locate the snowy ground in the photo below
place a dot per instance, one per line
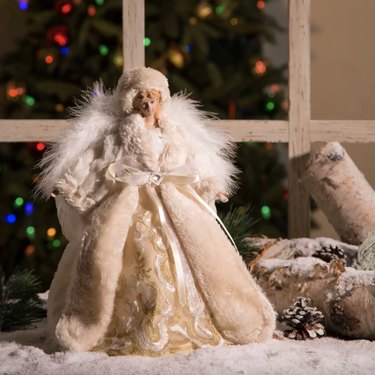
(20, 353)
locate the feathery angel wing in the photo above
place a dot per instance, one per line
(95, 119)
(77, 153)
(212, 149)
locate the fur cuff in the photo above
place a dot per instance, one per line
(74, 194)
(208, 188)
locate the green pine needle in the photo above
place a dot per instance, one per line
(20, 305)
(240, 224)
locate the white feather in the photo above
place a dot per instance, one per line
(95, 118)
(212, 150)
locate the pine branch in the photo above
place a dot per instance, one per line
(240, 224)
(20, 305)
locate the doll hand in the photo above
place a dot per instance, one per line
(223, 197)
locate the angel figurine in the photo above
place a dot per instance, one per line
(149, 268)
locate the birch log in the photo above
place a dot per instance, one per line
(286, 270)
(346, 297)
(300, 247)
(342, 192)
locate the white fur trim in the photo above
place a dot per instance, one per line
(240, 310)
(89, 302)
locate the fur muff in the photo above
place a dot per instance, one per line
(95, 213)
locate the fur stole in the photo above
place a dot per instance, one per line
(93, 141)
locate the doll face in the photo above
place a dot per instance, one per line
(147, 103)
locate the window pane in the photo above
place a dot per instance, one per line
(342, 60)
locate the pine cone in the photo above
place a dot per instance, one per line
(305, 322)
(328, 253)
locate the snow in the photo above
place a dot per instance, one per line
(351, 278)
(298, 266)
(21, 353)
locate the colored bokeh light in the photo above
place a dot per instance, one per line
(103, 50)
(260, 67)
(61, 39)
(204, 10)
(270, 106)
(266, 212)
(118, 60)
(275, 88)
(220, 9)
(261, 4)
(66, 8)
(91, 10)
(49, 59)
(10, 218)
(30, 249)
(12, 92)
(40, 146)
(30, 230)
(18, 202)
(29, 100)
(23, 4)
(176, 57)
(64, 50)
(28, 208)
(51, 232)
(56, 243)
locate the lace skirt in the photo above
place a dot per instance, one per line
(148, 317)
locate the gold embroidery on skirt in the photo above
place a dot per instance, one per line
(147, 316)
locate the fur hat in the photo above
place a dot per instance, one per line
(136, 79)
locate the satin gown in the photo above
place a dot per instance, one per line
(148, 317)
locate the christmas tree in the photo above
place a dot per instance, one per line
(210, 48)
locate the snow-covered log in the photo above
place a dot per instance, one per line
(300, 247)
(285, 270)
(342, 192)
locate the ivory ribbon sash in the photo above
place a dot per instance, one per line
(185, 176)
